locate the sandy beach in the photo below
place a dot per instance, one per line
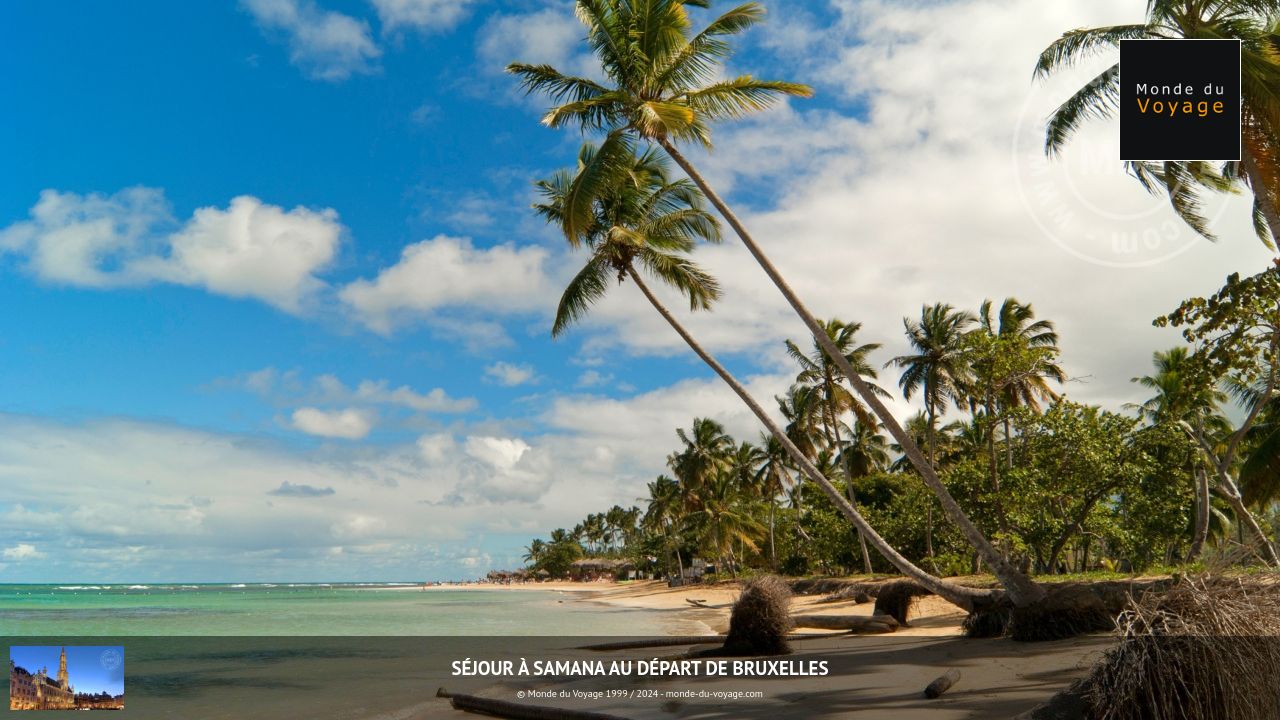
(873, 676)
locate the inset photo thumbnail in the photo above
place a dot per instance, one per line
(72, 677)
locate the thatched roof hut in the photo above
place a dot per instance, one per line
(599, 566)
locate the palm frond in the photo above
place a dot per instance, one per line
(588, 286)
(695, 63)
(547, 80)
(683, 274)
(597, 173)
(741, 96)
(1083, 42)
(1098, 99)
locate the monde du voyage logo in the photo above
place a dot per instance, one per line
(1180, 100)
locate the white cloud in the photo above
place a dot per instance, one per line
(291, 388)
(551, 36)
(423, 15)
(501, 453)
(449, 272)
(325, 44)
(70, 237)
(252, 250)
(166, 502)
(920, 201)
(434, 400)
(508, 374)
(248, 250)
(22, 551)
(349, 424)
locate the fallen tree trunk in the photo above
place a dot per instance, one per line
(852, 623)
(942, 684)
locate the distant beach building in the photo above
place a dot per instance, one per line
(38, 691)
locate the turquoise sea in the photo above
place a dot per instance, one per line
(308, 609)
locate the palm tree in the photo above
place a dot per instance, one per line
(535, 552)
(1176, 400)
(819, 372)
(937, 368)
(1245, 20)
(632, 224)
(666, 513)
(727, 518)
(772, 477)
(707, 451)
(662, 86)
(1016, 322)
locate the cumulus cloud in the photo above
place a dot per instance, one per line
(425, 15)
(550, 36)
(349, 424)
(22, 551)
(448, 272)
(920, 178)
(165, 502)
(248, 250)
(288, 489)
(325, 44)
(509, 374)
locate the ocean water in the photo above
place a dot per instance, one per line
(283, 609)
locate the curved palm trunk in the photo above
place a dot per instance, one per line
(1228, 490)
(957, 594)
(1269, 211)
(1201, 532)
(1021, 589)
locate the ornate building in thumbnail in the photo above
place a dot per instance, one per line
(38, 691)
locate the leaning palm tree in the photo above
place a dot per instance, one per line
(1245, 20)
(663, 87)
(937, 366)
(644, 222)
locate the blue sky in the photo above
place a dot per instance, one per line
(86, 668)
(275, 307)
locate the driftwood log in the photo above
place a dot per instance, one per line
(942, 684)
(852, 623)
(518, 711)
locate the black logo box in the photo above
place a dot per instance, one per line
(1189, 65)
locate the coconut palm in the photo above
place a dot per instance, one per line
(1245, 20)
(631, 225)
(1177, 399)
(773, 475)
(937, 367)
(726, 517)
(535, 551)
(819, 371)
(662, 85)
(707, 451)
(666, 512)
(1017, 321)
(833, 399)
